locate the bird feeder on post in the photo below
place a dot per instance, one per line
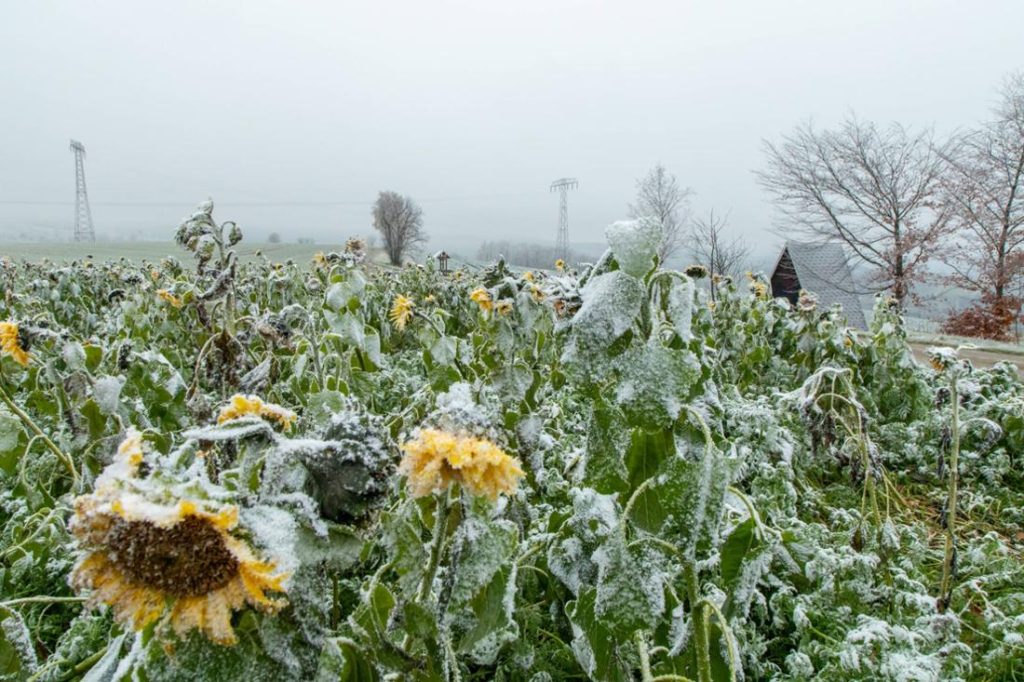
(442, 259)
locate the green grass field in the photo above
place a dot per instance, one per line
(151, 251)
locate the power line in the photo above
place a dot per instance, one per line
(283, 203)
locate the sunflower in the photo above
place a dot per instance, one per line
(401, 311)
(176, 557)
(168, 297)
(14, 342)
(320, 260)
(482, 297)
(696, 271)
(435, 459)
(253, 406)
(537, 293)
(560, 265)
(504, 306)
(807, 301)
(944, 359)
(528, 276)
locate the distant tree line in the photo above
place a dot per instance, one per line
(526, 254)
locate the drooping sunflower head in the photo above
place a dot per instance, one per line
(696, 271)
(320, 260)
(947, 360)
(560, 265)
(435, 459)
(401, 311)
(504, 306)
(253, 406)
(14, 341)
(482, 298)
(148, 554)
(167, 297)
(807, 301)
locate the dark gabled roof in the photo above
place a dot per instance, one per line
(823, 270)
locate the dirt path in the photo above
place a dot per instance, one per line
(980, 357)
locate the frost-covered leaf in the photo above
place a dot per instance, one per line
(443, 350)
(343, 661)
(680, 307)
(483, 546)
(684, 504)
(595, 517)
(635, 244)
(402, 536)
(630, 587)
(611, 304)
(236, 429)
(607, 441)
(654, 383)
(741, 540)
(17, 652)
(106, 391)
(10, 431)
(593, 643)
(494, 612)
(106, 668)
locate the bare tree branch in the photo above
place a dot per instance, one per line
(709, 247)
(875, 190)
(659, 195)
(983, 186)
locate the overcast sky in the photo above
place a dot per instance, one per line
(471, 107)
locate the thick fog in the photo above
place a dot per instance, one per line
(293, 115)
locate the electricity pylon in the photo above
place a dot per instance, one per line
(563, 185)
(83, 214)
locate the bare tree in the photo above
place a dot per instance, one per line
(875, 190)
(399, 220)
(984, 184)
(722, 257)
(658, 194)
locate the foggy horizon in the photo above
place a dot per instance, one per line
(293, 119)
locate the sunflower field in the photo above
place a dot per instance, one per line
(212, 470)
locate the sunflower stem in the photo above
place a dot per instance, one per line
(946, 588)
(442, 502)
(40, 599)
(700, 624)
(32, 426)
(645, 656)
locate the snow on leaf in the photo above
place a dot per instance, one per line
(635, 243)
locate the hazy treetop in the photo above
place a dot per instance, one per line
(472, 108)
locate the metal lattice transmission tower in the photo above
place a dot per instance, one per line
(83, 214)
(562, 186)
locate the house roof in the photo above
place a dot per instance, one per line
(823, 270)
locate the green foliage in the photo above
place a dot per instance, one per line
(713, 490)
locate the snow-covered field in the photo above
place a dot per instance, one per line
(214, 467)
